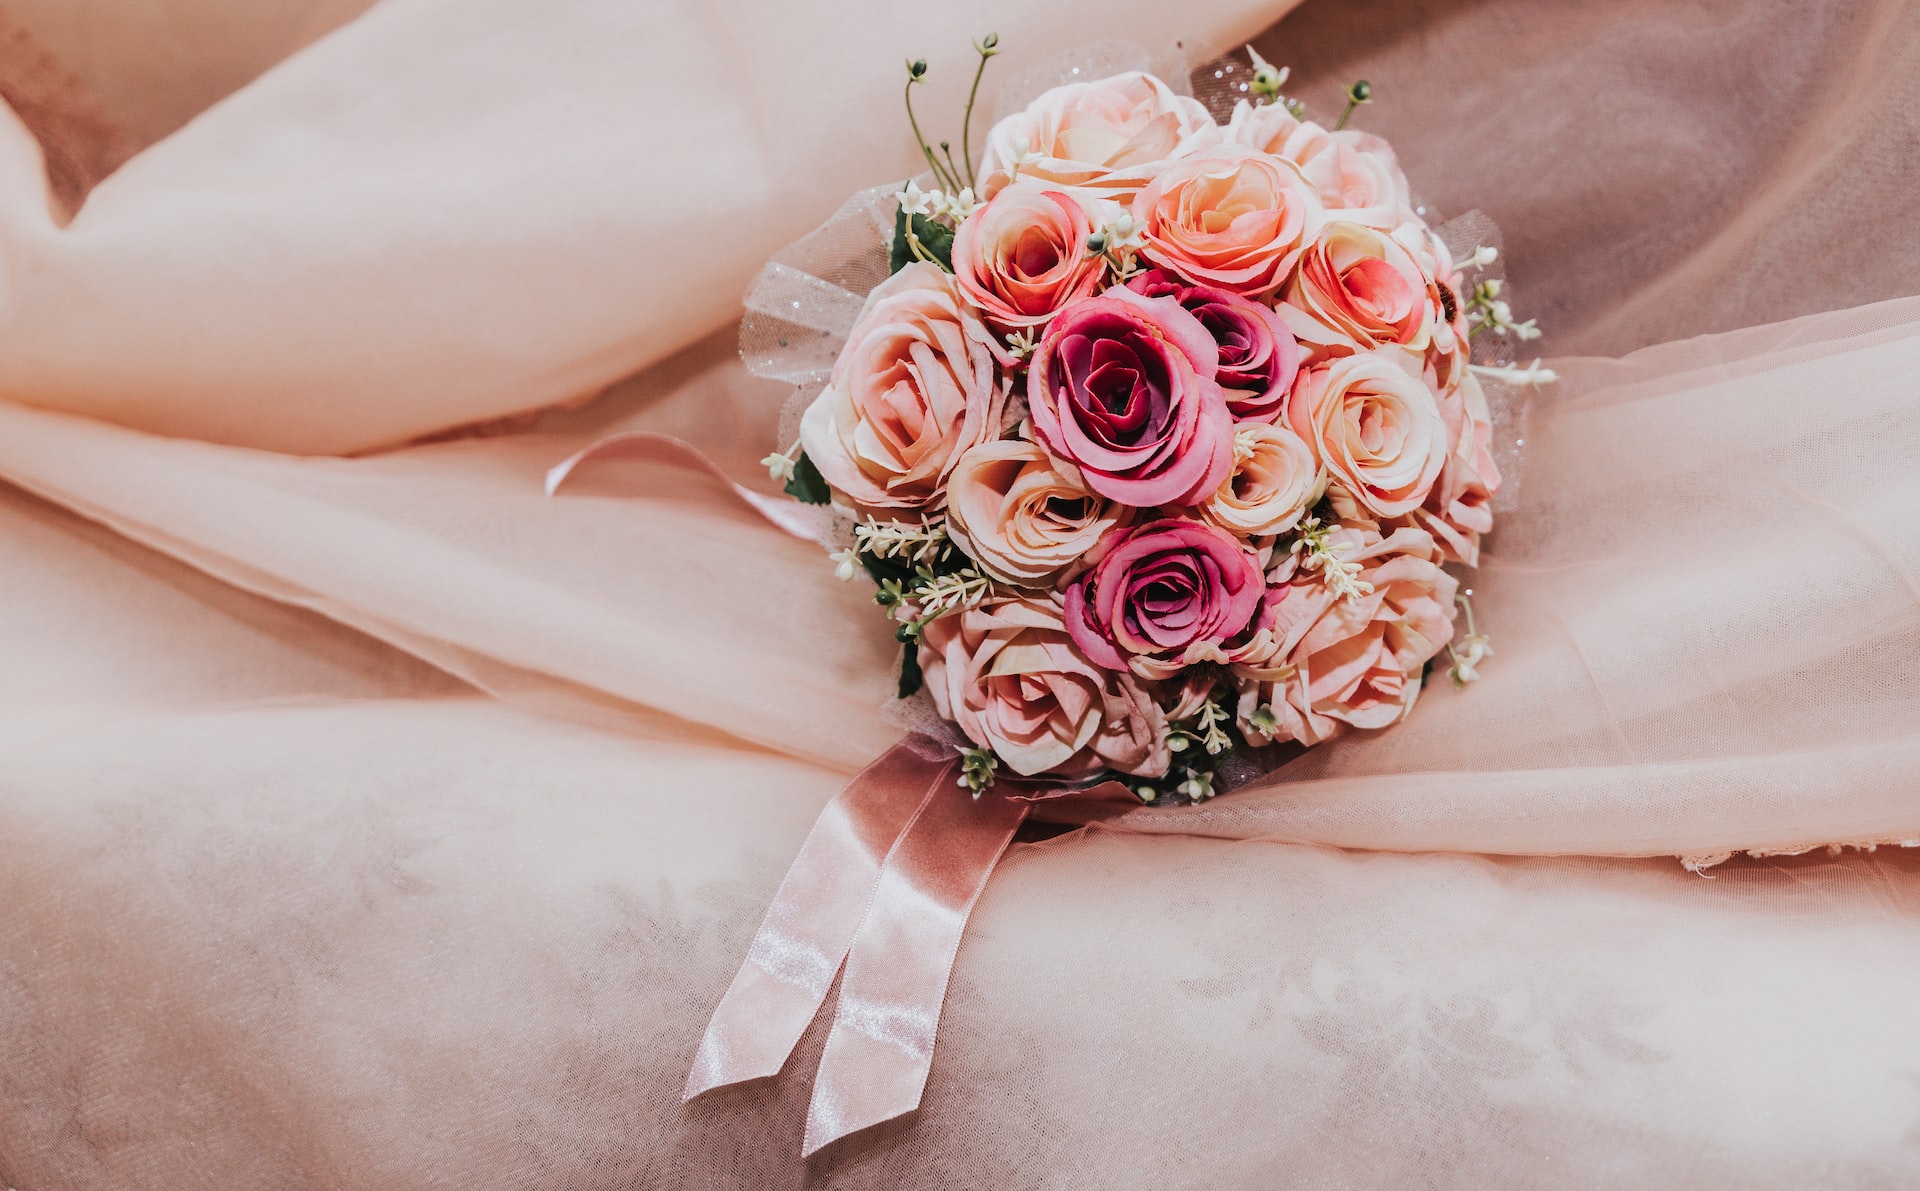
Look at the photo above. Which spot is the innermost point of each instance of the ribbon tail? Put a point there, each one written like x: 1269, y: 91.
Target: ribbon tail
x: 806, y: 522
x: 801, y: 943
x: 880, y: 1048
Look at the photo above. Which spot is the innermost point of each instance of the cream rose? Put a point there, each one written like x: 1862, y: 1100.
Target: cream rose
x: 1339, y: 663
x: 1023, y: 256
x: 1010, y: 677
x: 1275, y: 479
x: 1023, y: 516
x: 1355, y: 173
x: 911, y: 391
x: 1236, y: 219
x: 1374, y: 426
x: 1108, y: 137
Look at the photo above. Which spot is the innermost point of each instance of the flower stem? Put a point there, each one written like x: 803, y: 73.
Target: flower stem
x: 939, y: 174
x: 1361, y: 92
x: 966, y: 122
x: 947, y: 148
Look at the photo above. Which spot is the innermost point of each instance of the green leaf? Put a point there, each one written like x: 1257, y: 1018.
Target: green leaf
x: 808, y: 486
x: 883, y: 569
x: 936, y: 238
x: 910, y: 679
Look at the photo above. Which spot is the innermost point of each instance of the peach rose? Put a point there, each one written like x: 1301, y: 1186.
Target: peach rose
x: 1236, y: 218
x: 1459, y: 508
x: 1006, y: 673
x: 1374, y: 427
x: 913, y: 388
x: 1340, y: 663
x: 1023, y: 516
x: 1109, y: 136
x: 1355, y: 173
x: 1024, y: 255
x: 1274, y: 480
x: 1364, y: 285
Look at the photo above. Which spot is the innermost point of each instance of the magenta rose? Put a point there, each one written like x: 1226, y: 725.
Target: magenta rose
x: 1162, y: 596
x: 1123, y: 388
x: 1258, y: 355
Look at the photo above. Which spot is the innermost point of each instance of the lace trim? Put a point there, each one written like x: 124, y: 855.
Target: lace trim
x: 1700, y: 863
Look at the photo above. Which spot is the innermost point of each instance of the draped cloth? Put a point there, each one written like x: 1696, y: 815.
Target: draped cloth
x: 375, y: 821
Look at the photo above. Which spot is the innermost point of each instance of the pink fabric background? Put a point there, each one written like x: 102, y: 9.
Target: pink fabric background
x: 374, y: 822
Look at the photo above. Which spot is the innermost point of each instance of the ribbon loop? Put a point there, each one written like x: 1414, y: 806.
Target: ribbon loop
x: 806, y: 522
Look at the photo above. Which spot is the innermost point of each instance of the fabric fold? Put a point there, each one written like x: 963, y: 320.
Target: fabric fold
x: 408, y: 226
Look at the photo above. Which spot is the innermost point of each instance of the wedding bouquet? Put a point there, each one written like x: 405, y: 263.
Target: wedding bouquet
x: 1161, y: 440
x: 1160, y: 434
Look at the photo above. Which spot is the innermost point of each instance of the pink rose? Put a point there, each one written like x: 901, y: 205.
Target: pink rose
x: 1341, y: 663
x: 1236, y: 218
x: 1374, y: 427
x: 1274, y: 480
x: 1024, y: 255
x: 1355, y: 173
x: 1123, y: 388
x: 913, y: 389
x: 1361, y: 283
x: 1007, y: 674
x: 1258, y: 355
x: 1162, y: 596
x: 1022, y: 515
x: 1108, y: 137
x: 1459, y: 508
x: 1448, y: 350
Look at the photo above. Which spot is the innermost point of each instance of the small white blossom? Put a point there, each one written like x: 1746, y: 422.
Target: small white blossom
x: 1125, y: 234
x: 1475, y: 649
x: 1198, y: 786
x: 846, y: 564
x: 958, y: 206
x: 1318, y: 551
x: 1481, y: 258
x: 1023, y: 154
x: 1267, y: 78
x: 1533, y: 376
x: 779, y: 466
x: 915, y: 201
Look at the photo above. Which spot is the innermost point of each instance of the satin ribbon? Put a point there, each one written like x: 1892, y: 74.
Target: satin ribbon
x: 807, y: 522
x: 880, y: 1049
x: 884, y: 884
x: 815, y: 914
